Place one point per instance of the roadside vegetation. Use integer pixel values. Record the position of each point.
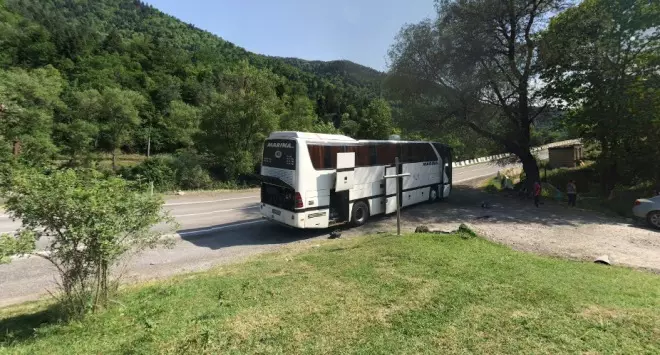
(421, 293)
(91, 222)
(619, 202)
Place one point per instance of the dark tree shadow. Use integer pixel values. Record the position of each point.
(22, 328)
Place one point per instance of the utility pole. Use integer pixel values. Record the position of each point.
(398, 193)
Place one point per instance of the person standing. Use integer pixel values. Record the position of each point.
(537, 193)
(571, 191)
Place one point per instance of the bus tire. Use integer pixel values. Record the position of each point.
(434, 195)
(360, 213)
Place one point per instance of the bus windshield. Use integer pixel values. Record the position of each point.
(280, 153)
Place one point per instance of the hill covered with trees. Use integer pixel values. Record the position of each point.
(83, 78)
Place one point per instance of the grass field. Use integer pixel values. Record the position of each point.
(436, 294)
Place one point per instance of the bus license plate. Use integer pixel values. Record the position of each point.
(277, 212)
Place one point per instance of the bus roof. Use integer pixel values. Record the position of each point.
(333, 138)
(310, 136)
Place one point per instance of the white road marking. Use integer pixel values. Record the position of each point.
(475, 177)
(209, 201)
(28, 256)
(221, 227)
(214, 212)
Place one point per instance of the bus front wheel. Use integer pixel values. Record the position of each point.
(360, 213)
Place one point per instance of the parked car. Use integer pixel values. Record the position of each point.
(648, 208)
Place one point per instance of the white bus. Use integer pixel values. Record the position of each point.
(314, 180)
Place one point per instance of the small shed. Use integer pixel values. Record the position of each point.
(567, 156)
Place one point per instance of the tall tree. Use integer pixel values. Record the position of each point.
(117, 112)
(240, 117)
(476, 63)
(377, 120)
(28, 101)
(299, 115)
(601, 59)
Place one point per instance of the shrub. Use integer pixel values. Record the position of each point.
(189, 171)
(92, 220)
(158, 170)
(185, 170)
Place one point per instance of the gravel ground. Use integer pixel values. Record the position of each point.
(552, 229)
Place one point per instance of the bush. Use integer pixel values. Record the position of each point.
(92, 221)
(189, 171)
(185, 171)
(158, 170)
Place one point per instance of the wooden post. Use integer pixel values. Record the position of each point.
(398, 198)
(398, 193)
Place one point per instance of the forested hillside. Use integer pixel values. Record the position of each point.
(82, 78)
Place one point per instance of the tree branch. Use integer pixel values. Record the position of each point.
(528, 40)
(538, 113)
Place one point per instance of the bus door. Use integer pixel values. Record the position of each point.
(345, 171)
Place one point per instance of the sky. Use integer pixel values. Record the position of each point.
(361, 31)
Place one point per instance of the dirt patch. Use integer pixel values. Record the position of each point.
(552, 229)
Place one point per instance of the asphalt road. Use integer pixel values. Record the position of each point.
(214, 228)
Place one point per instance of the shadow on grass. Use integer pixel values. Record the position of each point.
(22, 327)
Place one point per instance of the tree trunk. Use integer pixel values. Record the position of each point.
(531, 169)
(114, 160)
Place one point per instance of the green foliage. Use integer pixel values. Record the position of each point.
(189, 171)
(474, 64)
(374, 123)
(182, 124)
(28, 102)
(158, 170)
(118, 113)
(20, 244)
(119, 76)
(602, 59)
(299, 115)
(237, 121)
(185, 170)
(589, 190)
(92, 221)
(466, 232)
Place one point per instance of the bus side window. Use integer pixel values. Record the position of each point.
(373, 155)
(316, 155)
(407, 152)
(327, 158)
(362, 155)
(386, 154)
(334, 150)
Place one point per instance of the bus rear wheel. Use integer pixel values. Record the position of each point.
(433, 195)
(360, 213)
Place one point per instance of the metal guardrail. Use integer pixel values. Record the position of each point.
(501, 156)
